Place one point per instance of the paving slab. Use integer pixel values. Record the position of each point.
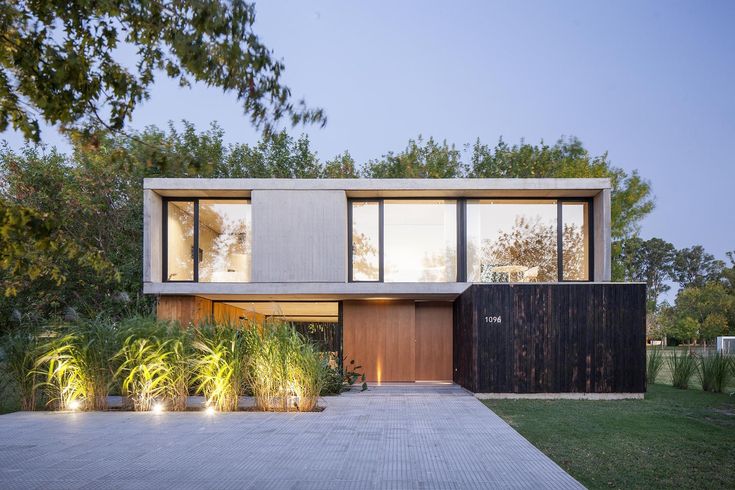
(397, 436)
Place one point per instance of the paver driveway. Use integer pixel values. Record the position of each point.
(399, 436)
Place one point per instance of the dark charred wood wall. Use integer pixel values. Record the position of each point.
(547, 338)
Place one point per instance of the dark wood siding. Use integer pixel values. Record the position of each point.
(550, 338)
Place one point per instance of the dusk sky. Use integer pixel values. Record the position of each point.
(651, 83)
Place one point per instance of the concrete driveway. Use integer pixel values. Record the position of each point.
(397, 436)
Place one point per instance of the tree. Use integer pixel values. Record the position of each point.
(707, 306)
(419, 160)
(694, 267)
(61, 61)
(650, 261)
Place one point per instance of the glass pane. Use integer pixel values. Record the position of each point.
(511, 241)
(365, 241)
(180, 227)
(420, 241)
(575, 241)
(224, 240)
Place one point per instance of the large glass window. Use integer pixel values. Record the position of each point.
(420, 240)
(511, 241)
(217, 248)
(224, 240)
(575, 241)
(365, 241)
(180, 241)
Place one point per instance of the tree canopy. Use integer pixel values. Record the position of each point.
(84, 63)
(91, 199)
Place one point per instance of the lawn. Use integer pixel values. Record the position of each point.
(673, 438)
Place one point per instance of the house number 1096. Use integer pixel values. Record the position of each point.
(494, 319)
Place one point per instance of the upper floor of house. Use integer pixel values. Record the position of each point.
(221, 236)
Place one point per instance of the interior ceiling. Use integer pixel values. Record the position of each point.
(311, 309)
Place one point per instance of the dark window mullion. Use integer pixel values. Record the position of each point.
(196, 240)
(559, 241)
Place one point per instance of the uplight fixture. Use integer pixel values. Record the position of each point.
(157, 407)
(210, 411)
(75, 405)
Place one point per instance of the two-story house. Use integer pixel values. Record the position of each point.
(500, 285)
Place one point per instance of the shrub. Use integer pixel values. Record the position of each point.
(714, 371)
(18, 351)
(76, 364)
(154, 370)
(682, 368)
(221, 366)
(655, 362)
(286, 371)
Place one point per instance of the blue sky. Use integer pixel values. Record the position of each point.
(651, 83)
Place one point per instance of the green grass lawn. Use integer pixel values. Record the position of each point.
(673, 438)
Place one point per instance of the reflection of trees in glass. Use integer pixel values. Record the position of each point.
(530, 243)
(231, 239)
(181, 242)
(573, 246)
(364, 257)
(440, 266)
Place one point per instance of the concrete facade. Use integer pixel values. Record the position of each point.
(299, 236)
(300, 229)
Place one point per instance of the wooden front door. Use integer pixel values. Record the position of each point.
(399, 340)
(434, 341)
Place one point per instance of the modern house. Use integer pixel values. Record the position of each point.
(500, 285)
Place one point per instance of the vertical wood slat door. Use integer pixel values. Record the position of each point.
(434, 341)
(380, 336)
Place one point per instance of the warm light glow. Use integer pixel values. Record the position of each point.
(75, 405)
(157, 407)
(210, 411)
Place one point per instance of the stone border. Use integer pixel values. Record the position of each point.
(559, 396)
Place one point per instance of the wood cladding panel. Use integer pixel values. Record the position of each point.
(224, 313)
(380, 336)
(433, 341)
(187, 310)
(551, 338)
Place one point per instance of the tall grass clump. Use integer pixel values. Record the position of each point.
(654, 363)
(714, 371)
(682, 366)
(18, 350)
(155, 363)
(221, 364)
(76, 364)
(287, 372)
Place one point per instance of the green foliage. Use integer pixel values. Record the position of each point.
(221, 365)
(18, 350)
(714, 370)
(287, 371)
(430, 160)
(682, 367)
(649, 261)
(654, 363)
(155, 369)
(75, 361)
(60, 61)
(702, 312)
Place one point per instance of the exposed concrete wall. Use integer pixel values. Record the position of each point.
(299, 236)
(602, 240)
(152, 253)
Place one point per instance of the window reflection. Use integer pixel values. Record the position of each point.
(575, 241)
(224, 240)
(511, 241)
(365, 241)
(420, 240)
(180, 238)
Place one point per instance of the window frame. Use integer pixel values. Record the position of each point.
(461, 204)
(164, 230)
